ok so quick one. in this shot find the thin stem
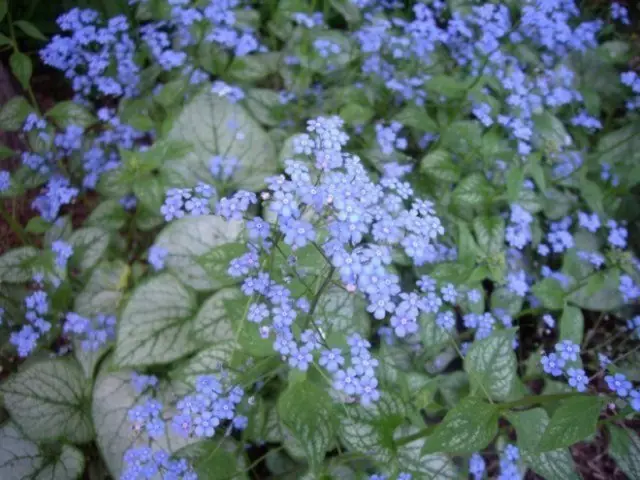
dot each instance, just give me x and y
(15, 226)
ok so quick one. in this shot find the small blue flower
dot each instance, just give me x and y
(552, 364)
(619, 384)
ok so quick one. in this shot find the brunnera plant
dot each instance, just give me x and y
(340, 239)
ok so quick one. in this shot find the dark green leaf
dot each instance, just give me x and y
(440, 166)
(71, 113)
(37, 225)
(489, 233)
(530, 426)
(550, 293)
(13, 114)
(624, 447)
(492, 365)
(30, 29)
(470, 426)
(306, 410)
(21, 67)
(573, 421)
(572, 324)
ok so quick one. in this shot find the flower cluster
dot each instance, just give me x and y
(91, 47)
(187, 201)
(37, 306)
(213, 404)
(92, 333)
(566, 353)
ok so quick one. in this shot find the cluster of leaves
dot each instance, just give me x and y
(328, 239)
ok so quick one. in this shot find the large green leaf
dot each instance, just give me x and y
(306, 411)
(573, 421)
(16, 265)
(467, 428)
(22, 459)
(71, 113)
(530, 426)
(216, 459)
(156, 323)
(572, 324)
(369, 430)
(492, 365)
(212, 323)
(13, 114)
(411, 459)
(188, 239)
(49, 401)
(214, 126)
(624, 447)
(104, 290)
(89, 246)
(340, 311)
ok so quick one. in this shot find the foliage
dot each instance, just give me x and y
(351, 239)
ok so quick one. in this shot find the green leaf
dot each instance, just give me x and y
(369, 430)
(30, 29)
(572, 325)
(216, 262)
(212, 322)
(445, 85)
(214, 126)
(470, 426)
(550, 133)
(434, 338)
(573, 421)
(6, 152)
(187, 239)
(489, 233)
(155, 326)
(104, 290)
(89, 246)
(347, 9)
(218, 459)
(13, 114)
(355, 114)
(71, 113)
(264, 105)
(49, 401)
(624, 447)
(3, 9)
(507, 301)
(423, 465)
(492, 365)
(550, 293)
(109, 214)
(601, 292)
(21, 67)
(440, 166)
(254, 67)
(530, 426)
(515, 178)
(416, 117)
(306, 410)
(16, 265)
(473, 191)
(37, 225)
(340, 311)
(21, 458)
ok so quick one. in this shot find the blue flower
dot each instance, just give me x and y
(578, 379)
(619, 384)
(552, 364)
(157, 257)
